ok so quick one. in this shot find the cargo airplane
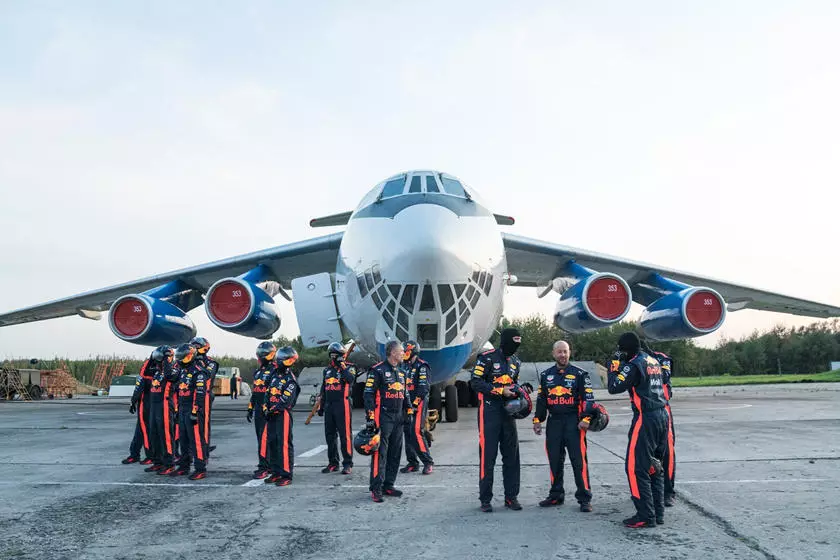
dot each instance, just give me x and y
(421, 258)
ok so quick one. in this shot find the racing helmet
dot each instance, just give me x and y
(520, 406)
(266, 351)
(201, 344)
(599, 418)
(411, 349)
(287, 356)
(366, 442)
(336, 350)
(160, 353)
(185, 353)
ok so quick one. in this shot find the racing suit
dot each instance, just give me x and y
(193, 407)
(492, 373)
(565, 395)
(277, 443)
(157, 404)
(169, 411)
(211, 367)
(641, 377)
(669, 464)
(336, 407)
(386, 401)
(140, 399)
(417, 378)
(262, 377)
(171, 390)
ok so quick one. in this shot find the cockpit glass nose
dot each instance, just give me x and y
(394, 187)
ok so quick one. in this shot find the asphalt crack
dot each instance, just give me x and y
(727, 527)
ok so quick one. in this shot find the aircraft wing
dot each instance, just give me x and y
(286, 262)
(537, 263)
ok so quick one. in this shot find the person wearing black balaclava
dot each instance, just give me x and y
(639, 374)
(496, 372)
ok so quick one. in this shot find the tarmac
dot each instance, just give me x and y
(757, 477)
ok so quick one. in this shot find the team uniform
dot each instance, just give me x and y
(565, 396)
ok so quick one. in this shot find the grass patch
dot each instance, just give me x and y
(828, 376)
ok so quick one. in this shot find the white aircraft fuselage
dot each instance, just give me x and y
(423, 266)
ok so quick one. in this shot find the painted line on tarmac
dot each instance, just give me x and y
(313, 451)
(753, 481)
(255, 482)
(91, 483)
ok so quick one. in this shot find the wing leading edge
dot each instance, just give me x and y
(285, 261)
(537, 263)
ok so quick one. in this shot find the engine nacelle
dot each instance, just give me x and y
(142, 319)
(593, 303)
(243, 308)
(688, 313)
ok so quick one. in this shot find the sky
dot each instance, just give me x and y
(137, 138)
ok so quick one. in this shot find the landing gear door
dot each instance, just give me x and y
(315, 309)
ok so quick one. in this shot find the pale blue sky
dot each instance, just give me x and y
(139, 139)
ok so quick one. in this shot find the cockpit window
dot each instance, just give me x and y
(431, 184)
(394, 187)
(427, 300)
(415, 184)
(452, 186)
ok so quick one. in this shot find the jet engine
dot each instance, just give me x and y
(688, 313)
(593, 303)
(142, 319)
(241, 307)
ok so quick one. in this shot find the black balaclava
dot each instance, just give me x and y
(629, 344)
(509, 341)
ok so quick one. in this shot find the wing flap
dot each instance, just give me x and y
(537, 263)
(285, 261)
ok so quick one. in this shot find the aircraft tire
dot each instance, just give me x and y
(435, 398)
(451, 402)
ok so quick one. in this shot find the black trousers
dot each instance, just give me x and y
(277, 444)
(416, 445)
(338, 427)
(193, 443)
(259, 427)
(496, 431)
(648, 439)
(670, 461)
(142, 431)
(156, 432)
(563, 434)
(385, 461)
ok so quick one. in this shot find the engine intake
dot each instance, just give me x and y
(243, 308)
(688, 313)
(142, 319)
(593, 303)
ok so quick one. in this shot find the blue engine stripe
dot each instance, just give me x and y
(445, 363)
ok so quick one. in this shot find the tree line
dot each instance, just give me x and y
(779, 350)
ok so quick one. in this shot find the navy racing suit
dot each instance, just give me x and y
(335, 395)
(193, 407)
(140, 399)
(281, 396)
(669, 464)
(386, 401)
(641, 377)
(565, 396)
(417, 377)
(492, 373)
(262, 377)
